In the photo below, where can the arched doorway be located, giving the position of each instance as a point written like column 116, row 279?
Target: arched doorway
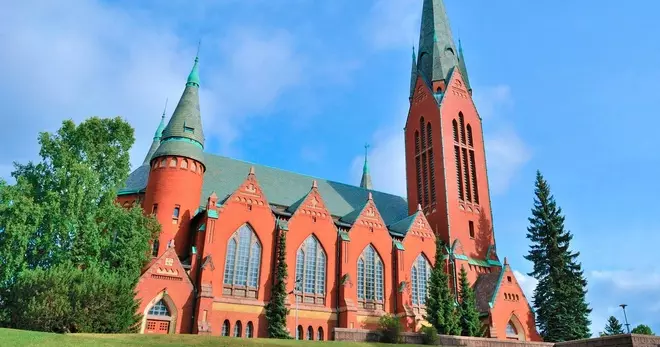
column 514, row 330
column 159, row 319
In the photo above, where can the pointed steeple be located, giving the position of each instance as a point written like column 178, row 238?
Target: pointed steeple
column 437, row 52
column 413, row 73
column 157, row 137
column 366, row 177
column 183, row 135
column 461, row 65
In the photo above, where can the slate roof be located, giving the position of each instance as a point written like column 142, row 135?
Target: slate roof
column 283, row 188
column 484, row 289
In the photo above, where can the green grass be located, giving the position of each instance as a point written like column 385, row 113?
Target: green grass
column 21, row 338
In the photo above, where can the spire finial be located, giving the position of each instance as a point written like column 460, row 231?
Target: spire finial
column 199, row 44
column 165, row 108
column 251, row 170
column 366, row 177
column 419, row 207
column 193, row 78
column 370, row 197
column 315, row 184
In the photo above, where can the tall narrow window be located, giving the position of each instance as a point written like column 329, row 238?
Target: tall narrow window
column 370, row 275
column 469, row 135
column 473, row 173
column 249, row 330
column 471, row 228
column 310, row 333
column 310, row 266
column 466, row 174
column 417, row 147
column 418, row 167
column 154, row 209
column 154, row 248
column 429, row 135
column 299, row 332
column 425, row 180
column 319, row 336
column 175, row 213
column 225, row 328
column 243, row 258
column 423, row 134
column 459, row 174
column 432, row 174
column 461, row 125
column 454, row 126
column 237, row 329
column 420, row 273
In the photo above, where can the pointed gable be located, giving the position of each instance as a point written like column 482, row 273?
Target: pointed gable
column 415, row 224
column 368, row 215
column 311, row 204
column 167, row 267
column 249, row 192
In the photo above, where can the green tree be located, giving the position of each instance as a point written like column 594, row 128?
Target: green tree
column 470, row 322
column 560, row 296
column 441, row 307
column 62, row 209
column 276, row 310
column 642, row 329
column 613, row 327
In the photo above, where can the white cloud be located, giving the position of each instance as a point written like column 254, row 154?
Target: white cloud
column 491, row 100
column 87, row 58
column 527, row 283
column 506, row 153
column 629, row 281
column 393, row 23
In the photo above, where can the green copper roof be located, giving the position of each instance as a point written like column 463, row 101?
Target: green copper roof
column 193, row 78
column 283, row 188
column 156, row 141
column 413, row 73
column 437, row 53
column 401, row 227
column 365, row 182
column 461, row 66
column 184, row 135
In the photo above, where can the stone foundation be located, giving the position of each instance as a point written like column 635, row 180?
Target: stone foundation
column 632, row 340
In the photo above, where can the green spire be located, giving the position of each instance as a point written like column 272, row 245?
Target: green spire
column 157, row 137
column 413, row 73
column 184, row 135
column 366, row 177
column 461, row 65
column 437, row 53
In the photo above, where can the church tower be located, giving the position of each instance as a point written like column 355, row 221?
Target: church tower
column 177, row 169
column 445, row 155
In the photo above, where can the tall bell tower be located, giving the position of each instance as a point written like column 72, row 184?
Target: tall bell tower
column 445, row 156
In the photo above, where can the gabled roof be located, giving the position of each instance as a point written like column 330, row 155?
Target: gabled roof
column 401, row 227
column 485, row 287
column 283, row 188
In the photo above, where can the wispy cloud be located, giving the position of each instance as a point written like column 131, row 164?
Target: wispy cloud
column 527, row 283
column 393, row 23
column 629, row 281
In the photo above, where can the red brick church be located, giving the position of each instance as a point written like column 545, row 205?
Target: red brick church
column 354, row 253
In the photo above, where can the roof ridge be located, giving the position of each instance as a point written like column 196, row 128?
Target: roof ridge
column 305, row 175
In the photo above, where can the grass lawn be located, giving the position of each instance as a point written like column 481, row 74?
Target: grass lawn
column 21, row 338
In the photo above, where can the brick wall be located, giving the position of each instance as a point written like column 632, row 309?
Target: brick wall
column 362, row 335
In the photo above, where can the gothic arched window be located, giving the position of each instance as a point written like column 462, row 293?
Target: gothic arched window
column 421, row 270
column 511, row 332
column 225, row 328
column 249, row 330
column 237, row 329
column 159, row 309
column 454, row 126
column 310, row 267
column 243, row 258
column 370, row 275
column 469, row 135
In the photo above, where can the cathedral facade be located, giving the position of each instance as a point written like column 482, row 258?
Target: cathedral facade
column 354, row 253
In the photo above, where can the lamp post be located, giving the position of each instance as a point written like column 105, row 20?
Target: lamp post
column 295, row 298
column 623, row 306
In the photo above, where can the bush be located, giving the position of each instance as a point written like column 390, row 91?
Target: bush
column 389, row 328
column 65, row 299
column 429, row 335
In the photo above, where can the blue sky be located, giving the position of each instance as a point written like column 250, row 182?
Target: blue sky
column 302, row 85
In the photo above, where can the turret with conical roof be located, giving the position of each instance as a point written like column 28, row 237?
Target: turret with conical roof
column 365, row 182
column 437, row 52
column 183, row 135
column 413, row 73
column 157, row 136
column 461, row 65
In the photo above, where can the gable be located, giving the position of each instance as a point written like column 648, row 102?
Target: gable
column 167, row 267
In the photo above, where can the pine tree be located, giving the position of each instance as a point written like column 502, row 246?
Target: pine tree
column 560, row 296
column 441, row 310
column 613, row 327
column 470, row 322
column 276, row 310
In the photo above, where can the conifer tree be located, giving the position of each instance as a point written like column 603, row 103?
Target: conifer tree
column 470, row 322
column 560, row 296
column 642, row 329
column 613, row 327
column 276, row 310
column 441, row 310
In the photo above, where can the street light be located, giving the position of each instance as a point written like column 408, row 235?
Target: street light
column 296, row 289
column 623, row 306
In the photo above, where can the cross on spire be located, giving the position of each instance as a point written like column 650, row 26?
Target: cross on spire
column 366, row 177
